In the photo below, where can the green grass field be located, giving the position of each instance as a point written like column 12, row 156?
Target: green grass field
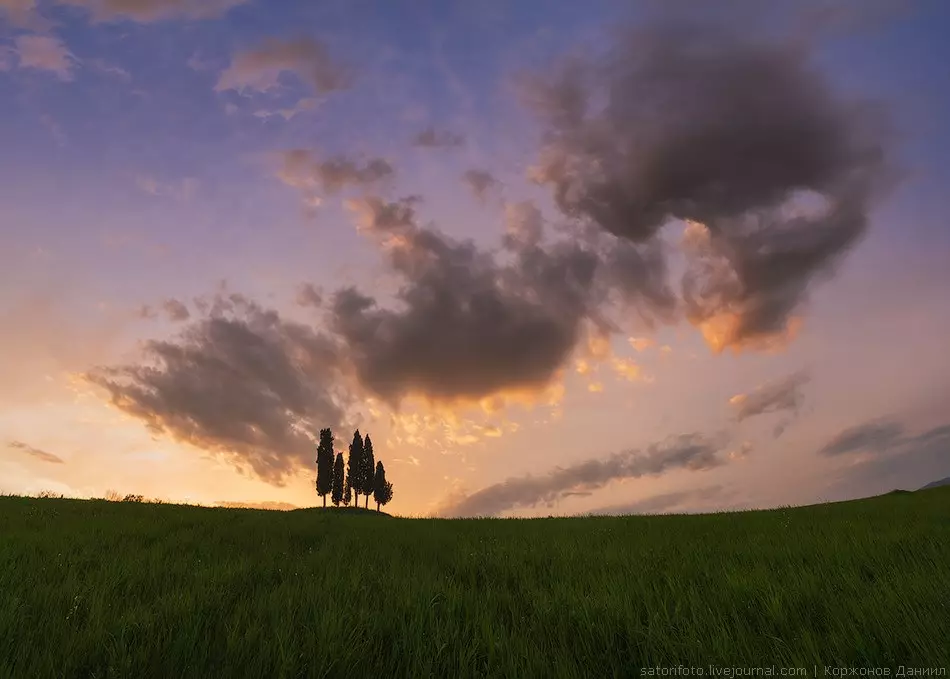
column 107, row 589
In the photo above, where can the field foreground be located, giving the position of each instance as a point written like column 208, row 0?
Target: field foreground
column 100, row 589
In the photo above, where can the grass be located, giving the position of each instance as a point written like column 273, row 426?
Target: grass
column 106, row 589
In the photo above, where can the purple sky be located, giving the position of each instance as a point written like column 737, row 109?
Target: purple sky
column 554, row 257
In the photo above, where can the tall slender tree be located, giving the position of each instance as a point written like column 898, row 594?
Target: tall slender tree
column 347, row 492
column 325, row 464
column 382, row 489
column 353, row 465
column 367, row 477
column 338, row 481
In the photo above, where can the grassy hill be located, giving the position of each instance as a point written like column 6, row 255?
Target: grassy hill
column 99, row 589
column 937, row 484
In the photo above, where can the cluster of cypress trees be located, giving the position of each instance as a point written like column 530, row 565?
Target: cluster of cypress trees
column 361, row 475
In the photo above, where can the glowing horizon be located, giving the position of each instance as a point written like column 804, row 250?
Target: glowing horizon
column 541, row 284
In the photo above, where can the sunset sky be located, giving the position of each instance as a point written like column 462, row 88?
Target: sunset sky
column 555, row 257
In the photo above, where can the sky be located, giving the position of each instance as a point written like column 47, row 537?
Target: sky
column 556, row 258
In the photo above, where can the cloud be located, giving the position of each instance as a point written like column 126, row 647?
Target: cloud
column 313, row 177
column 687, row 451
column 481, row 183
column 55, row 129
column 637, row 274
column 269, row 505
column 45, row 53
column 744, row 138
column 240, row 381
column 681, row 500
column 431, row 138
column 18, row 12
column 783, row 395
column 524, row 225
column 260, row 68
column 465, row 327
column 183, row 190
column 308, row 295
column 105, row 67
column 145, row 11
column 175, row 310
column 877, row 436
column 304, row 105
column 641, row 343
column 900, row 461
column 35, row 452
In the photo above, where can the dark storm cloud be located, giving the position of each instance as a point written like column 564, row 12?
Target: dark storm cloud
column 783, row 395
column 465, row 326
column 35, row 452
column 878, row 436
column 695, row 123
column 686, row 451
column 638, row 276
column 240, row 381
column 432, row 138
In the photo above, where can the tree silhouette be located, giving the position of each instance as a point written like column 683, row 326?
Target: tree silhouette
column 367, row 478
column 347, row 492
column 353, row 473
column 382, row 489
column 338, row 482
column 325, row 464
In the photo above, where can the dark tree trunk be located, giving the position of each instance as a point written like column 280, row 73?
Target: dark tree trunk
column 366, row 505
column 377, row 506
column 324, row 501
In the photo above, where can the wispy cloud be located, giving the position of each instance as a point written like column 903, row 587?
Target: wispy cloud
column 687, row 451
column 878, row 435
column 303, row 106
column 18, row 12
column 783, row 396
column 694, row 499
column 182, row 190
column 55, row 129
column 35, row 452
column 110, row 69
column 432, row 138
column 272, row 506
column 154, row 10
column 315, row 177
column 260, row 68
column 308, row 295
column 45, row 53
column 895, row 460
column 481, row 183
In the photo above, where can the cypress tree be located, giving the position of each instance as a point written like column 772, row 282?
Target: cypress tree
column 368, row 469
column 347, row 492
column 382, row 489
column 353, row 473
column 325, row 464
column 337, row 495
